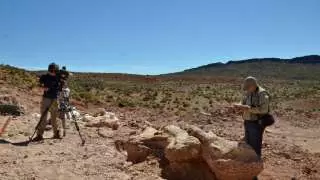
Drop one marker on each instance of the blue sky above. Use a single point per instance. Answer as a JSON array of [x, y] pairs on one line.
[[154, 36]]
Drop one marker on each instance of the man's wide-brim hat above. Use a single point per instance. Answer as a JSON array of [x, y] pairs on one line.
[[249, 81]]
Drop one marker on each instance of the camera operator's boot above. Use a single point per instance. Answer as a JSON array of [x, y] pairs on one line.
[[56, 135]]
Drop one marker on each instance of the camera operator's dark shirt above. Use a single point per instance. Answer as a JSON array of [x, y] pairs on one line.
[[53, 85]]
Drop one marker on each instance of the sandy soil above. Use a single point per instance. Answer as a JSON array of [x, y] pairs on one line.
[[291, 149]]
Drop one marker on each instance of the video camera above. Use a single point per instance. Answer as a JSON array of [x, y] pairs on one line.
[[63, 76], [63, 73]]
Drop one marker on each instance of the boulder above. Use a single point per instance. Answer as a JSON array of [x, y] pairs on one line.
[[147, 133], [235, 170], [188, 170], [137, 153], [227, 159], [11, 109], [9, 105], [178, 152], [139, 147], [105, 132], [108, 120], [191, 153], [182, 147]]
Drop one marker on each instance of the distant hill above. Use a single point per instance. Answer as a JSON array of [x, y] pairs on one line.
[[300, 68]]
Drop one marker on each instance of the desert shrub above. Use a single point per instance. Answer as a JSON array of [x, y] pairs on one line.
[[196, 109], [89, 97], [155, 106], [18, 77], [176, 101], [185, 104], [125, 102], [210, 102]]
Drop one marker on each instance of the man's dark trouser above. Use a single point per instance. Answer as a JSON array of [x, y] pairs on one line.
[[254, 135]]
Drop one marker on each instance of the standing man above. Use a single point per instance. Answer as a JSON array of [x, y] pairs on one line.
[[254, 105], [51, 85]]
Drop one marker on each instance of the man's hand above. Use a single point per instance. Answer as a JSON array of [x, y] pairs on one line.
[[45, 89]]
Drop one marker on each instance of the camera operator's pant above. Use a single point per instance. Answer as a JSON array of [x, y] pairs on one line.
[[254, 135], [46, 103]]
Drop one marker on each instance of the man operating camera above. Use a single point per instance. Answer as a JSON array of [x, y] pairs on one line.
[[51, 84]]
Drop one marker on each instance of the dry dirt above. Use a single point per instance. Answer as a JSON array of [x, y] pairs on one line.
[[291, 146]]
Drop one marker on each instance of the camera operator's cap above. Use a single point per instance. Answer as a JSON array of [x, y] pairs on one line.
[[53, 67], [249, 81]]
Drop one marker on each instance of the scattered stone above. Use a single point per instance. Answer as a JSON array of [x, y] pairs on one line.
[[108, 120], [36, 115], [99, 112], [8, 99]]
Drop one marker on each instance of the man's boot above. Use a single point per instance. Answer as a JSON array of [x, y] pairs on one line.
[[37, 139], [56, 135]]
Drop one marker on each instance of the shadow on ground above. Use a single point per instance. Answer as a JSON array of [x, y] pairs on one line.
[[22, 143]]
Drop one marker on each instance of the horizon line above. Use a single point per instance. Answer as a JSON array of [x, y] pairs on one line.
[[34, 69]]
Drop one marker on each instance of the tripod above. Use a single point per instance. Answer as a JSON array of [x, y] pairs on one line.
[[65, 107]]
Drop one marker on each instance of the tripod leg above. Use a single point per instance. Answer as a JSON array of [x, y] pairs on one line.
[[77, 127], [62, 115], [5, 126]]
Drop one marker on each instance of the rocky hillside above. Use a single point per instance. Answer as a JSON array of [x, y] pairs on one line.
[[299, 68]]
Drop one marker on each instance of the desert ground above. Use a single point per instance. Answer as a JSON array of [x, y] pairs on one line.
[[291, 147]]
